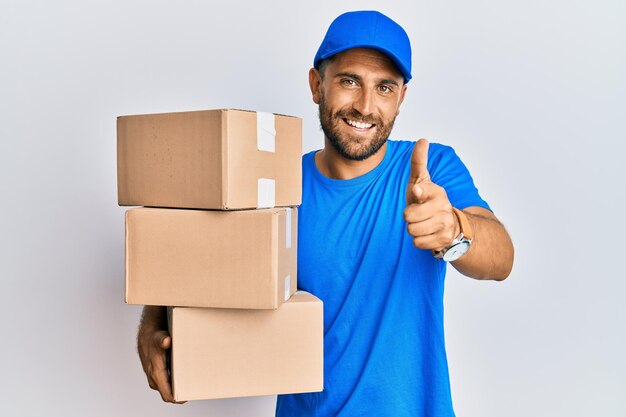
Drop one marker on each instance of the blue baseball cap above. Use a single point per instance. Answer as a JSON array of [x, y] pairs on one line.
[[367, 29]]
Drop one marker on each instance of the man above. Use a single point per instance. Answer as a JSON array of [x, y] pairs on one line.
[[378, 223]]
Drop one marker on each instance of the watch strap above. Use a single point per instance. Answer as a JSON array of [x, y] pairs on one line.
[[466, 234], [464, 224]]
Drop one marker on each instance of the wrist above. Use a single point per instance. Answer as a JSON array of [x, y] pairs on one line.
[[457, 225], [464, 225], [462, 240]]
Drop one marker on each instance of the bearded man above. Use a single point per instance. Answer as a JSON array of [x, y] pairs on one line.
[[379, 221]]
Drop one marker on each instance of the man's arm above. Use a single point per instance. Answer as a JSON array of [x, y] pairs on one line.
[[490, 255], [153, 344], [433, 224]]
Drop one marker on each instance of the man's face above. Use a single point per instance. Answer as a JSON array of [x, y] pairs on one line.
[[359, 96]]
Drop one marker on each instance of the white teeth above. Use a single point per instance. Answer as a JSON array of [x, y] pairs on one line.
[[359, 125]]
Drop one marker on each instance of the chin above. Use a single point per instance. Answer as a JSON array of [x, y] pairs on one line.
[[356, 151]]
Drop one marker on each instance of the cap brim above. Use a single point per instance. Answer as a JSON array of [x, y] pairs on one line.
[[405, 73]]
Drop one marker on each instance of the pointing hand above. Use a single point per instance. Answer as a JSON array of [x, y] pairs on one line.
[[429, 216]]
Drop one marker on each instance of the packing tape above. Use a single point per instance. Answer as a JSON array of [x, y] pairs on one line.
[[287, 287], [288, 228], [265, 132], [266, 193]]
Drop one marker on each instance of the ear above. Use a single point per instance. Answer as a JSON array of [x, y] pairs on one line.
[[402, 94], [315, 82]]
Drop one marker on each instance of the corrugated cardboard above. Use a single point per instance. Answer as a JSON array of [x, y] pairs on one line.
[[222, 353], [202, 258], [212, 159]]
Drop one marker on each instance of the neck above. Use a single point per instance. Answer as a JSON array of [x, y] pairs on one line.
[[332, 165]]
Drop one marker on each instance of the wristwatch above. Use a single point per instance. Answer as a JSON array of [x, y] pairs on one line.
[[461, 244]]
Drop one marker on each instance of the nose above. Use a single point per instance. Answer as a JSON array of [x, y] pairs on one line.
[[363, 103]]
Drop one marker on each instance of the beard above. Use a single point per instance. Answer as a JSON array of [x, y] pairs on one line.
[[353, 147]]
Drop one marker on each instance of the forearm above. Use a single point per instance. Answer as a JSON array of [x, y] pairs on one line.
[[491, 254]]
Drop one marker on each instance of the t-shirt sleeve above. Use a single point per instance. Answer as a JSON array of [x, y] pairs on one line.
[[448, 171]]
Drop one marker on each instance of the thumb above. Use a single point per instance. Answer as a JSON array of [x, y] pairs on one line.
[[419, 162], [162, 339], [166, 342]]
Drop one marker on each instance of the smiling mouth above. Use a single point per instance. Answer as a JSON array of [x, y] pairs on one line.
[[359, 125]]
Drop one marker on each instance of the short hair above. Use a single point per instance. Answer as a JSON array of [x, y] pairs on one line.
[[323, 63]]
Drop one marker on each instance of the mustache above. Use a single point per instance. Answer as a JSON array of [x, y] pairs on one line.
[[356, 115]]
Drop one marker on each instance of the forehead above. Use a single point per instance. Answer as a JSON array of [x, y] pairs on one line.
[[368, 60]]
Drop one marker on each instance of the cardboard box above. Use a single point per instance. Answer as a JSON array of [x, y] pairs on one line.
[[222, 353], [213, 159], [202, 258]]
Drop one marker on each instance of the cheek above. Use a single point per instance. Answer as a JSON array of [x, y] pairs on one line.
[[340, 98], [390, 109]]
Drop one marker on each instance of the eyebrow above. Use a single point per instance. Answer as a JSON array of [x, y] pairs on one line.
[[358, 78]]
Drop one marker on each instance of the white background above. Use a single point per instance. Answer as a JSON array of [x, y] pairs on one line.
[[531, 95]]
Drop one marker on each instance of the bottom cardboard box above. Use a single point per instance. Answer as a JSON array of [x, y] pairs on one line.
[[223, 353]]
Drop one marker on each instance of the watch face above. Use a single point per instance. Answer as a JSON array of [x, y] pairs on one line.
[[456, 251]]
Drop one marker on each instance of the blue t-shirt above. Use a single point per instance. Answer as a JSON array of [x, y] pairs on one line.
[[384, 350]]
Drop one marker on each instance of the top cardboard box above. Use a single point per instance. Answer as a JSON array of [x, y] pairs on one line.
[[212, 159]]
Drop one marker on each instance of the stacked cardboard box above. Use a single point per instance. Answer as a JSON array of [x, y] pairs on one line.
[[217, 239]]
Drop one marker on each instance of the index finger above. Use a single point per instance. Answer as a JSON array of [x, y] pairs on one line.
[[161, 378], [160, 370], [419, 162]]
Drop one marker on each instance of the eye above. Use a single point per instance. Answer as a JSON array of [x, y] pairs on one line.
[[385, 89], [348, 82]]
